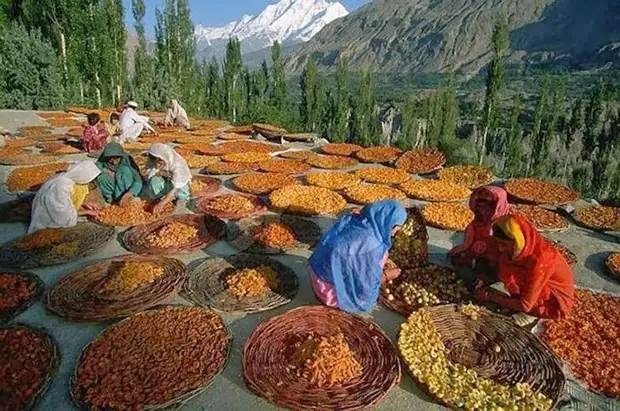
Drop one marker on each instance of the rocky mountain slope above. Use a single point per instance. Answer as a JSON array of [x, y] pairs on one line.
[[440, 36]]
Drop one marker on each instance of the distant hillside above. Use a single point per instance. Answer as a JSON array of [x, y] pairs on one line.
[[441, 36]]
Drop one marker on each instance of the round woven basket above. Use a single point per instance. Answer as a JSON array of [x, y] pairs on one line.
[[211, 185], [218, 355], [9, 313], [569, 196], [26, 159], [50, 345], [210, 230], [269, 355], [89, 238], [75, 296], [610, 269], [241, 235], [299, 136], [523, 357], [543, 219], [206, 285], [16, 211], [203, 205], [604, 226]]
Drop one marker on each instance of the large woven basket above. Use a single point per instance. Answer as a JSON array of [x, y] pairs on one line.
[[206, 285], [27, 159], [259, 207], [88, 236], [52, 367], [75, 296], [523, 357], [16, 211], [241, 234], [221, 349], [9, 313], [269, 354], [211, 185], [210, 230]]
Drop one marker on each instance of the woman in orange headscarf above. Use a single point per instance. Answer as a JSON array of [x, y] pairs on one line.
[[537, 277]]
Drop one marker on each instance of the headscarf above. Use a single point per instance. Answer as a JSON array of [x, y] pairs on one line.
[[502, 208], [175, 165], [116, 150], [178, 114], [52, 206], [349, 255]]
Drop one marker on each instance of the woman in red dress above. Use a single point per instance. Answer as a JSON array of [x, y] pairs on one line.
[[95, 134]]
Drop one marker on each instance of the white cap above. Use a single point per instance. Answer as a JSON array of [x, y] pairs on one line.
[[132, 104]]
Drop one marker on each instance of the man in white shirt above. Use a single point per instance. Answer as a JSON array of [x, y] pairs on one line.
[[132, 124]]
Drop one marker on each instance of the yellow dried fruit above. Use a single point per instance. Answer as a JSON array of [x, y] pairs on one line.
[[252, 282], [421, 161], [42, 238], [275, 235], [331, 162], [172, 234], [31, 178], [231, 204], [468, 176], [128, 276], [307, 200], [378, 154], [537, 191], [133, 213], [382, 175], [435, 190], [333, 181], [371, 193], [448, 216], [263, 183], [599, 217]]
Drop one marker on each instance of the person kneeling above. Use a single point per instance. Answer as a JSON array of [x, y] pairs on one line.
[[120, 180], [169, 177]]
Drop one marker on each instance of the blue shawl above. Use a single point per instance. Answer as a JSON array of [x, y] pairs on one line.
[[349, 255]]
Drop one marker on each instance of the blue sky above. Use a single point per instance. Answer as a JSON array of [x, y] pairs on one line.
[[217, 12]]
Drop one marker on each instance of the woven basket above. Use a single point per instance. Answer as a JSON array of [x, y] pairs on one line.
[[75, 297], [222, 349], [615, 274], [90, 238], [52, 367], [210, 230], [269, 354], [16, 211], [601, 228], [206, 285], [523, 358], [211, 185], [259, 207], [570, 196], [27, 159], [8, 314], [241, 234], [299, 136]]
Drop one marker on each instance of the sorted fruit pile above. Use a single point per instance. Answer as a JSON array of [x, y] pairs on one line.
[[172, 234], [599, 218], [307, 200], [341, 149], [232, 136], [198, 161], [8, 151], [326, 361], [243, 130], [268, 130], [541, 218], [448, 216], [298, 155], [229, 203], [116, 373], [45, 237], [371, 193], [455, 385], [252, 282], [63, 250], [31, 178], [64, 122], [246, 157], [423, 287], [378, 154], [26, 159], [32, 131], [127, 276], [382, 175], [231, 168], [613, 264], [18, 142], [435, 190], [263, 183], [535, 191], [284, 166], [333, 181], [587, 339], [15, 290], [468, 176], [331, 162], [410, 243], [240, 147], [133, 213], [189, 140], [421, 161], [27, 359], [275, 235], [198, 186], [136, 147]]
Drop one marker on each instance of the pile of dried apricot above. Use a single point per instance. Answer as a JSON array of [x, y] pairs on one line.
[[134, 213], [448, 216], [599, 217], [275, 235], [31, 178], [613, 264], [198, 161], [252, 282], [421, 161], [341, 149], [284, 166], [435, 190], [468, 176], [382, 175], [331, 162], [378, 154], [333, 181], [246, 157], [533, 190], [172, 234], [128, 276], [263, 183], [235, 204], [298, 155], [307, 200], [371, 193], [231, 168], [42, 238], [541, 218], [15, 290]]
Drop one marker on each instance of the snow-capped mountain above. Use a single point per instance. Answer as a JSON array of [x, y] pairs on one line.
[[288, 21]]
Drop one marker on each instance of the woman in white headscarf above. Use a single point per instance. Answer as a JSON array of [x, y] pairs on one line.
[[60, 199], [176, 115], [169, 177]]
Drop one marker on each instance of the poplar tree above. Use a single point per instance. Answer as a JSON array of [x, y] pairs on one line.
[[233, 79], [279, 80], [310, 107], [339, 110], [364, 128]]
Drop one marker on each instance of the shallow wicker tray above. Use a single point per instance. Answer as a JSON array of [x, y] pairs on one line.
[[210, 230], [259, 207], [91, 238], [571, 195], [173, 404], [48, 341], [16, 211], [541, 210], [583, 224], [404, 161], [75, 298], [299, 136], [270, 350], [212, 185], [523, 358], [168, 211], [206, 284], [27, 159], [8, 314], [615, 274], [241, 234]]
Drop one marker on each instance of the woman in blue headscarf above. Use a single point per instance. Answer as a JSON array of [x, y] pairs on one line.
[[347, 267]]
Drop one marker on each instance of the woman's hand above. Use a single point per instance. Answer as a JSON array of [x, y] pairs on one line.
[[90, 213], [92, 207], [125, 199]]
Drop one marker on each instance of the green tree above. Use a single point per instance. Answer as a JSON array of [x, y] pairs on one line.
[[30, 76], [495, 79], [279, 80], [339, 104], [546, 128], [538, 136], [233, 70], [514, 140], [364, 129], [311, 106], [409, 138]]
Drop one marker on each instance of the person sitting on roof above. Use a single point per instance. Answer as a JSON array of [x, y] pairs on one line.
[[132, 124], [120, 180], [176, 115]]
